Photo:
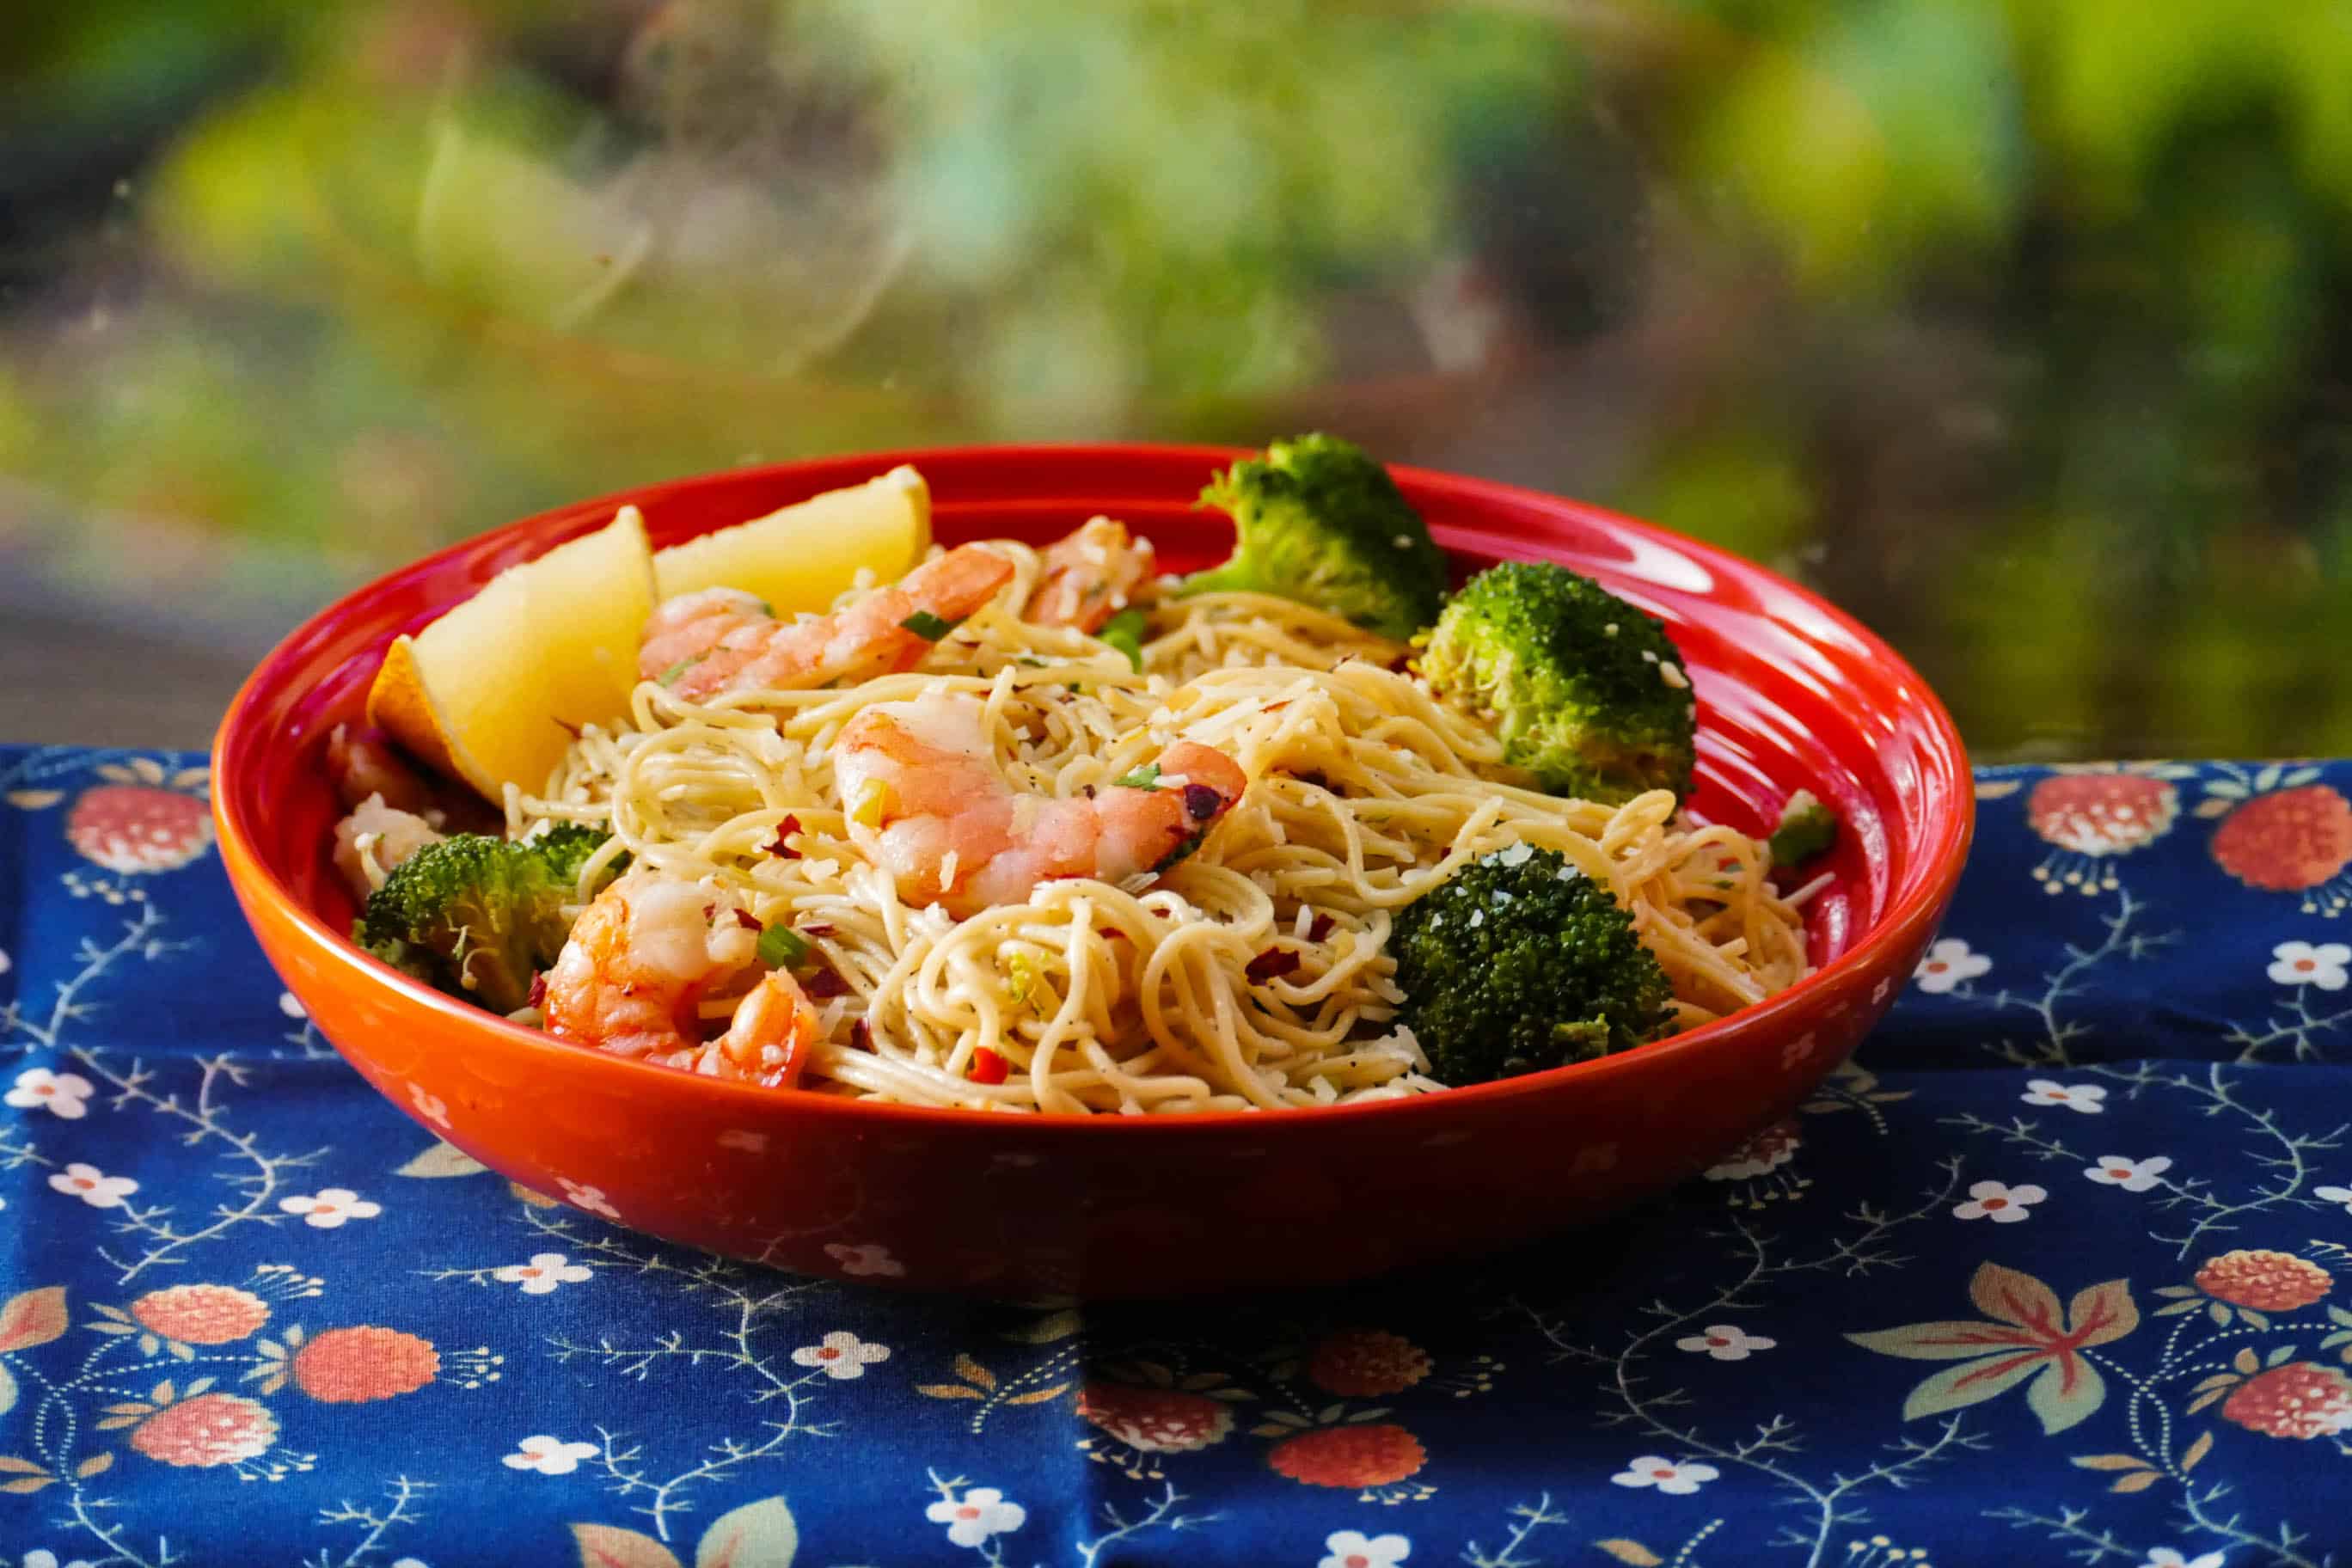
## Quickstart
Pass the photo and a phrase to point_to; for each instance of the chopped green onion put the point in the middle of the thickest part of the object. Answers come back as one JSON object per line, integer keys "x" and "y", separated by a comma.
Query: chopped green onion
{"x": 781, "y": 947}
{"x": 669, "y": 676}
{"x": 1124, "y": 631}
{"x": 1145, "y": 777}
{"x": 1807, "y": 828}
{"x": 927, "y": 626}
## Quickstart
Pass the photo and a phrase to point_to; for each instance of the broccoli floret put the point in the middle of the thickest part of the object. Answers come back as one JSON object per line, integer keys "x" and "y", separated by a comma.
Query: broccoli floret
{"x": 1807, "y": 828}
{"x": 476, "y": 916}
{"x": 1519, "y": 963}
{"x": 566, "y": 848}
{"x": 1316, "y": 520}
{"x": 1588, "y": 692}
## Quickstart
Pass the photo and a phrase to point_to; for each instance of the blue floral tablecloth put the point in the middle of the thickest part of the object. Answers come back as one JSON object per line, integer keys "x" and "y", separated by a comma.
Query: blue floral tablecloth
{"x": 2058, "y": 1270}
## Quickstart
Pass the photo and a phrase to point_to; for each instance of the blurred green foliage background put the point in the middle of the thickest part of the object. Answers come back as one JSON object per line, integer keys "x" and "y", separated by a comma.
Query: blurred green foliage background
{"x": 2019, "y": 327}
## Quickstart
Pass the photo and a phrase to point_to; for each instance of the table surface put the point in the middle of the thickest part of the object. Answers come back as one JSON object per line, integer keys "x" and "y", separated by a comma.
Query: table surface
{"x": 2056, "y": 1270}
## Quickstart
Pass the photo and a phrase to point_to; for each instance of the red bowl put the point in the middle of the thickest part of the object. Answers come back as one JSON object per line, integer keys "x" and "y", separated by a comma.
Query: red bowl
{"x": 1791, "y": 694}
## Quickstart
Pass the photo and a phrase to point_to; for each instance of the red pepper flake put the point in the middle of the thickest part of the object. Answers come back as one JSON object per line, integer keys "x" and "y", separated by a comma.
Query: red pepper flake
{"x": 744, "y": 918}
{"x": 1110, "y": 933}
{"x": 861, "y": 1036}
{"x": 824, "y": 983}
{"x": 814, "y": 931}
{"x": 1271, "y": 964}
{"x": 538, "y": 990}
{"x": 785, "y": 829}
{"x": 1401, "y": 663}
{"x": 1728, "y": 863}
{"x": 987, "y": 1066}
{"x": 1321, "y": 928}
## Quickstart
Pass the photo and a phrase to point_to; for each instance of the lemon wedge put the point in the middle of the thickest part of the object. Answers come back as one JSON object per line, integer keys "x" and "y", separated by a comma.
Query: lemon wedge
{"x": 804, "y": 556}
{"x": 484, "y": 693}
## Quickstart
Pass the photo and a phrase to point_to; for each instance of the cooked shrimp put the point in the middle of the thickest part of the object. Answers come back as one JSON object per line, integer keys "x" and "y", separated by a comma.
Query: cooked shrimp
{"x": 642, "y": 957}
{"x": 374, "y": 839}
{"x": 362, "y": 764}
{"x": 720, "y": 640}
{"x": 1089, "y": 575}
{"x": 925, "y": 799}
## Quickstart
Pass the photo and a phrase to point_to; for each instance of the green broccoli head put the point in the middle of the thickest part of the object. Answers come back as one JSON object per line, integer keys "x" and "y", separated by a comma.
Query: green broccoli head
{"x": 1316, "y": 520}
{"x": 1807, "y": 828}
{"x": 1588, "y": 692}
{"x": 479, "y": 917}
{"x": 566, "y": 848}
{"x": 1519, "y": 963}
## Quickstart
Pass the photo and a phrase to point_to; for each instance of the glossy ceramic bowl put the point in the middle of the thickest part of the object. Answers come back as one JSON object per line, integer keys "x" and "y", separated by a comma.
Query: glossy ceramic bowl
{"x": 1791, "y": 694}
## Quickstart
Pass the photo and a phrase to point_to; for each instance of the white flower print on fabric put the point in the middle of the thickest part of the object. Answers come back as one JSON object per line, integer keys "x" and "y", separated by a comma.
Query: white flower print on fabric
{"x": 548, "y": 1455}
{"x": 841, "y": 1354}
{"x": 7, "y": 964}
{"x": 2131, "y": 1176}
{"x": 41, "y": 1556}
{"x": 1947, "y": 963}
{"x": 2334, "y": 1195}
{"x": 977, "y": 1515}
{"x": 2000, "y": 1202}
{"x": 330, "y": 1207}
{"x": 1761, "y": 1155}
{"x": 92, "y": 1185}
{"x": 1354, "y": 1548}
{"x": 2086, "y": 1098}
{"x": 2301, "y": 964}
{"x": 589, "y": 1198}
{"x": 1677, "y": 1480}
{"x": 542, "y": 1274}
{"x": 290, "y": 1005}
{"x": 1723, "y": 1341}
{"x": 431, "y": 1106}
{"x": 868, "y": 1258}
{"x": 2166, "y": 1557}
{"x": 59, "y": 1093}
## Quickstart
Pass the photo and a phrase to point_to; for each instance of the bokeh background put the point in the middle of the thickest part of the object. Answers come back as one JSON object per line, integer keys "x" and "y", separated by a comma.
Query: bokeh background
{"x": 2019, "y": 327}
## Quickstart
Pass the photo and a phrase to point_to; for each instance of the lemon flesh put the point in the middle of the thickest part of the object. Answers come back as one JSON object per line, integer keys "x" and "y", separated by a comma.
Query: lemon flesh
{"x": 484, "y": 693}
{"x": 804, "y": 556}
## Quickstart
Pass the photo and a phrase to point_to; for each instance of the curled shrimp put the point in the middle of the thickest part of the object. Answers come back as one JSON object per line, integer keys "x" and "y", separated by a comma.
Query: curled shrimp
{"x": 641, "y": 958}
{"x": 925, "y": 799}
{"x": 1089, "y": 576}
{"x": 374, "y": 839}
{"x": 720, "y": 640}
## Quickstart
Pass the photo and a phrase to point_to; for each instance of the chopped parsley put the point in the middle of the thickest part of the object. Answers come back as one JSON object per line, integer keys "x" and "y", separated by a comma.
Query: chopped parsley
{"x": 1145, "y": 777}
{"x": 929, "y": 627}
{"x": 669, "y": 676}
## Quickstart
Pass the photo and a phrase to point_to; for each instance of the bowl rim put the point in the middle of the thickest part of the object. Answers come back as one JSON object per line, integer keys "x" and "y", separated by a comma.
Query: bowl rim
{"x": 1943, "y": 850}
